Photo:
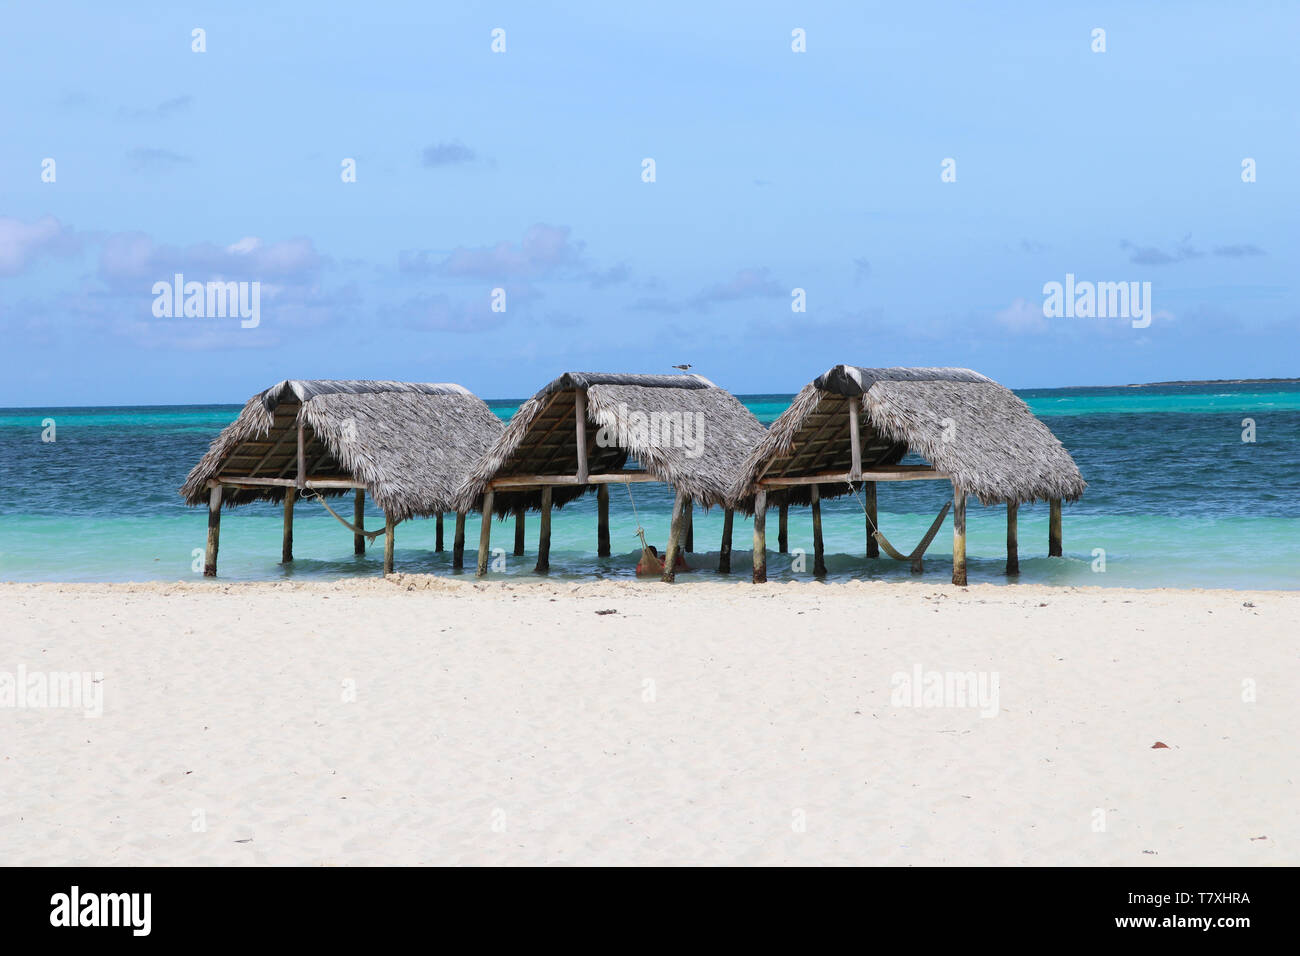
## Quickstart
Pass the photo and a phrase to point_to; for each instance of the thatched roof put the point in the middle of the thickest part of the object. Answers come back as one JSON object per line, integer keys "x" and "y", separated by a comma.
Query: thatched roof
{"x": 996, "y": 449}
{"x": 411, "y": 444}
{"x": 682, "y": 429}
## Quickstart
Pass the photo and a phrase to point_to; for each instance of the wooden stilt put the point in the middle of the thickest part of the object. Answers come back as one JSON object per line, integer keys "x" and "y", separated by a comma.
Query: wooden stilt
{"x": 1054, "y": 530}
{"x": 485, "y": 535}
{"x": 544, "y": 534}
{"x": 302, "y": 455}
{"x": 760, "y": 538}
{"x": 724, "y": 550}
{"x": 580, "y": 428}
{"x": 519, "y": 531}
{"x": 389, "y": 527}
{"x": 359, "y": 521}
{"x": 680, "y": 504}
{"x": 819, "y": 550}
{"x": 286, "y": 541}
{"x": 869, "y": 502}
{"x": 214, "y": 532}
{"x": 958, "y": 537}
{"x": 437, "y": 540}
{"x": 458, "y": 543}
{"x": 689, "y": 523}
{"x": 1013, "y": 548}
{"x": 602, "y": 521}
{"x": 783, "y": 530}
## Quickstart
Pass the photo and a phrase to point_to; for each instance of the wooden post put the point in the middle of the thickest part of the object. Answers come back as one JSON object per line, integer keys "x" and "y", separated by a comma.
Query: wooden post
{"x": 855, "y": 439}
{"x": 782, "y": 529}
{"x": 958, "y": 537}
{"x": 869, "y": 501}
{"x": 458, "y": 543}
{"x": 544, "y": 535}
{"x": 602, "y": 521}
{"x": 760, "y": 537}
{"x": 437, "y": 541}
{"x": 689, "y": 534}
{"x": 286, "y": 541}
{"x": 724, "y": 550}
{"x": 1013, "y": 550}
{"x": 359, "y": 521}
{"x": 1054, "y": 530}
{"x": 519, "y": 531}
{"x": 819, "y": 550}
{"x": 302, "y": 455}
{"x": 389, "y": 525}
{"x": 214, "y": 532}
{"x": 680, "y": 504}
{"x": 580, "y": 427}
{"x": 485, "y": 534}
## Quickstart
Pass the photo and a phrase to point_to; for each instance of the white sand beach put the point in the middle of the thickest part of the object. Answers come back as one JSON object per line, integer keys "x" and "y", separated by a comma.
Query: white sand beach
{"x": 699, "y": 723}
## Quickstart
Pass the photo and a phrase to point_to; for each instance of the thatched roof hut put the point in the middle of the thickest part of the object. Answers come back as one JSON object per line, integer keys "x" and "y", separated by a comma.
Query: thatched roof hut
{"x": 965, "y": 424}
{"x": 409, "y": 445}
{"x": 852, "y": 427}
{"x": 682, "y": 429}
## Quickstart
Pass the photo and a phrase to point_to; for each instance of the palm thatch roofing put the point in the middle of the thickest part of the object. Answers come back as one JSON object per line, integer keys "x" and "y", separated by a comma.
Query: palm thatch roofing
{"x": 410, "y": 444}
{"x": 961, "y": 422}
{"x": 682, "y": 429}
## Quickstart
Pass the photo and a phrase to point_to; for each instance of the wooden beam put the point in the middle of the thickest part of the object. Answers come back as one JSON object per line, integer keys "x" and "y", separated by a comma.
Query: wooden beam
{"x": 892, "y": 473}
{"x": 437, "y": 541}
{"x": 580, "y": 428}
{"x": 485, "y": 534}
{"x": 286, "y": 541}
{"x": 602, "y": 478}
{"x": 958, "y": 536}
{"x": 602, "y": 519}
{"x": 873, "y": 519}
{"x": 284, "y": 435}
{"x": 389, "y": 526}
{"x": 1054, "y": 529}
{"x": 359, "y": 521}
{"x": 458, "y": 543}
{"x": 724, "y": 550}
{"x": 783, "y": 529}
{"x": 819, "y": 550}
{"x": 544, "y": 535}
{"x": 855, "y": 439}
{"x": 680, "y": 504}
{"x": 214, "y": 532}
{"x": 519, "y": 532}
{"x": 248, "y": 481}
{"x": 1013, "y": 547}
{"x": 760, "y": 537}
{"x": 302, "y": 454}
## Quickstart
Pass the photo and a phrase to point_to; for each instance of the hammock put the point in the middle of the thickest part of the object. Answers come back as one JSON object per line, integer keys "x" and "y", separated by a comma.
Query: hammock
{"x": 370, "y": 536}
{"x": 649, "y": 559}
{"x": 919, "y": 551}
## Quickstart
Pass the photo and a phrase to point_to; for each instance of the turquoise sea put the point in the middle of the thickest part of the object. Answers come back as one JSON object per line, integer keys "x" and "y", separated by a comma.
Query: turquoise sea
{"x": 1176, "y": 498}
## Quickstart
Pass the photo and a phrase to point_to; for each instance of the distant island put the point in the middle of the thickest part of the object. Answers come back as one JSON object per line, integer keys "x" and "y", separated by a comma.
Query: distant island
{"x": 1221, "y": 381}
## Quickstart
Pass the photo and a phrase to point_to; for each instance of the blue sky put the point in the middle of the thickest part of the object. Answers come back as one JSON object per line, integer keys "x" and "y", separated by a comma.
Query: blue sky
{"x": 522, "y": 170}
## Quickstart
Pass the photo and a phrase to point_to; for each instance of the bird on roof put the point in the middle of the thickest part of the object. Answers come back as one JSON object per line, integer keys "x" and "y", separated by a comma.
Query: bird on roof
{"x": 684, "y": 368}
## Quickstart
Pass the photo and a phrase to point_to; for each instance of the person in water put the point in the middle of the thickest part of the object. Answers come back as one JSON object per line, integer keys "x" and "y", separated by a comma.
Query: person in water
{"x": 651, "y": 563}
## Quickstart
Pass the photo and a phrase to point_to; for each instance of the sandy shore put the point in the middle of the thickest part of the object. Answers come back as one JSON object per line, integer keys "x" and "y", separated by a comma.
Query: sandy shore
{"x": 698, "y": 723}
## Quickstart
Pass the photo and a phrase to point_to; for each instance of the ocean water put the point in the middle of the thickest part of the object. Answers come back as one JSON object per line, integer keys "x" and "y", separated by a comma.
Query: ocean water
{"x": 1176, "y": 498}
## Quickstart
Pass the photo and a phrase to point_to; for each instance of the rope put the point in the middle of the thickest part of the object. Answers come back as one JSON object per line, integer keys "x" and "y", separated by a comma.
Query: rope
{"x": 919, "y": 551}
{"x": 646, "y": 554}
{"x": 370, "y": 536}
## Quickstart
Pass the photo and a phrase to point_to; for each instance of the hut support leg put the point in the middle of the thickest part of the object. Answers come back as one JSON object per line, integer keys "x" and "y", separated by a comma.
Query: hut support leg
{"x": 389, "y": 526}
{"x": 214, "y": 532}
{"x": 869, "y": 501}
{"x": 437, "y": 542}
{"x": 680, "y": 506}
{"x": 760, "y": 538}
{"x": 544, "y": 534}
{"x": 782, "y": 531}
{"x": 458, "y": 543}
{"x": 602, "y": 521}
{"x": 689, "y": 517}
{"x": 1013, "y": 548}
{"x": 359, "y": 521}
{"x": 286, "y": 540}
{"x": 724, "y": 550}
{"x": 819, "y": 549}
{"x": 519, "y": 532}
{"x": 1054, "y": 530}
{"x": 485, "y": 535}
{"x": 959, "y": 537}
